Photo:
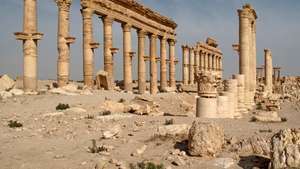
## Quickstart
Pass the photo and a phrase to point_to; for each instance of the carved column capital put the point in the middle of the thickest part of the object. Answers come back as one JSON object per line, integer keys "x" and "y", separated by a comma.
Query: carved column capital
{"x": 126, "y": 27}
{"x": 64, "y": 4}
{"x": 141, "y": 33}
{"x": 87, "y": 13}
{"x": 107, "y": 19}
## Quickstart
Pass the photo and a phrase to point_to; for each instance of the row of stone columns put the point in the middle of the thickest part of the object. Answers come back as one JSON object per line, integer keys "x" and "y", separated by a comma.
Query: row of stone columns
{"x": 199, "y": 60}
{"x": 30, "y": 36}
{"x": 247, "y": 50}
{"x": 128, "y": 55}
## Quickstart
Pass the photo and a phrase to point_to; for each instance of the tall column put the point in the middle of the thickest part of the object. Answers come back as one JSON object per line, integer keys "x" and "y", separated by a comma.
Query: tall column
{"x": 185, "y": 60}
{"x": 108, "y": 45}
{"x": 63, "y": 42}
{"x": 191, "y": 66}
{"x": 202, "y": 55}
{"x": 141, "y": 62}
{"x": 210, "y": 63}
{"x": 163, "y": 63}
{"x": 268, "y": 71}
{"x": 197, "y": 61}
{"x": 253, "y": 58}
{"x": 206, "y": 55}
{"x": 88, "y": 46}
{"x": 153, "y": 68}
{"x": 30, "y": 37}
{"x": 172, "y": 70}
{"x": 244, "y": 51}
{"x": 127, "y": 57}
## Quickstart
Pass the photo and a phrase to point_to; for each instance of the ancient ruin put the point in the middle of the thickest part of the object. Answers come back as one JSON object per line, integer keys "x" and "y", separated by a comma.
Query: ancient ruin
{"x": 147, "y": 119}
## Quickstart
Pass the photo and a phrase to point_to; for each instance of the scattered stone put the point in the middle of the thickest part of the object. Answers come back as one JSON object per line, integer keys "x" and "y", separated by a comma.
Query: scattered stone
{"x": 286, "y": 149}
{"x": 252, "y": 145}
{"x": 113, "y": 107}
{"x": 17, "y": 92}
{"x": 173, "y": 130}
{"x": 6, "y": 83}
{"x": 62, "y": 92}
{"x": 266, "y": 116}
{"x": 5, "y": 95}
{"x": 205, "y": 139}
{"x": 73, "y": 88}
{"x": 75, "y": 110}
{"x": 102, "y": 80}
{"x": 112, "y": 132}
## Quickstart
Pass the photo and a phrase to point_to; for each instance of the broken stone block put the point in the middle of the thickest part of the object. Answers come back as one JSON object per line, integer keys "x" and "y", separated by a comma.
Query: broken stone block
{"x": 266, "y": 116}
{"x": 6, "y": 83}
{"x": 205, "y": 139}
{"x": 102, "y": 80}
{"x": 111, "y": 132}
{"x": 173, "y": 130}
{"x": 286, "y": 149}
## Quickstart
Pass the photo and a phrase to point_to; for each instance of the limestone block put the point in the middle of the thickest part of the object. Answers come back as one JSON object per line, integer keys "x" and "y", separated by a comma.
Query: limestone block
{"x": 206, "y": 107}
{"x": 6, "y": 83}
{"x": 102, "y": 80}
{"x": 205, "y": 139}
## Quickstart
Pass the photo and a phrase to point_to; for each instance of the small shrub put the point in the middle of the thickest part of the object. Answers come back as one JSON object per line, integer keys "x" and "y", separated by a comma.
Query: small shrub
{"x": 95, "y": 148}
{"x": 169, "y": 121}
{"x": 146, "y": 165}
{"x": 90, "y": 117}
{"x": 122, "y": 100}
{"x": 14, "y": 124}
{"x": 105, "y": 113}
{"x": 61, "y": 106}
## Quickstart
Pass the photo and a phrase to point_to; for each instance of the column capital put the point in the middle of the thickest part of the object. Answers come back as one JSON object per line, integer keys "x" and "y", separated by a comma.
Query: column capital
{"x": 126, "y": 27}
{"x": 87, "y": 13}
{"x": 141, "y": 33}
{"x": 64, "y": 4}
{"x": 171, "y": 42}
{"x": 152, "y": 36}
{"x": 107, "y": 19}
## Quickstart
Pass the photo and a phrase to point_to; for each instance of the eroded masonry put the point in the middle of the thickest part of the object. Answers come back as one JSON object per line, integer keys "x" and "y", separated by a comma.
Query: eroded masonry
{"x": 131, "y": 15}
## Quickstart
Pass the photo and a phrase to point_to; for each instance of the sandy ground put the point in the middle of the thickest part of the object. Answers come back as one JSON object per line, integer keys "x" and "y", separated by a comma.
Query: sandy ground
{"x": 62, "y": 141}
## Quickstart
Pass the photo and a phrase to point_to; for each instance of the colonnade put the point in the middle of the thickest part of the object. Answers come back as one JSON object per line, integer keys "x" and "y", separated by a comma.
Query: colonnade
{"x": 202, "y": 57}
{"x": 145, "y": 21}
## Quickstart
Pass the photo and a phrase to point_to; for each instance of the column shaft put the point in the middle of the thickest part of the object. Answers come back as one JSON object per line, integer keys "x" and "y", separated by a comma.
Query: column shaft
{"x": 253, "y": 58}
{"x": 141, "y": 62}
{"x": 185, "y": 63}
{"x": 268, "y": 71}
{"x": 63, "y": 63}
{"x": 210, "y": 62}
{"x": 163, "y": 64}
{"x": 197, "y": 61}
{"x": 191, "y": 66}
{"x": 88, "y": 53}
{"x": 172, "y": 69}
{"x": 107, "y": 45}
{"x": 126, "y": 57}
{"x": 153, "y": 67}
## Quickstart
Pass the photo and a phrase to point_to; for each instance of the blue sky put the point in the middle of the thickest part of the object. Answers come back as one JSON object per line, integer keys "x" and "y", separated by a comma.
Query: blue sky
{"x": 278, "y": 28}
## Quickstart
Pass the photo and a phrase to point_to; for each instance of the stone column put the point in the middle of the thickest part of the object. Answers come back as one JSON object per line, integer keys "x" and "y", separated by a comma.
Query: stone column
{"x": 210, "y": 63}
{"x": 172, "y": 70}
{"x": 185, "y": 63}
{"x": 231, "y": 86}
{"x": 141, "y": 62}
{"x": 127, "y": 74}
{"x": 241, "y": 92}
{"x": 268, "y": 71}
{"x": 213, "y": 61}
{"x": 253, "y": 59}
{"x": 191, "y": 66}
{"x": 206, "y": 56}
{"x": 88, "y": 46}
{"x": 244, "y": 52}
{"x": 107, "y": 46}
{"x": 30, "y": 38}
{"x": 197, "y": 61}
{"x": 153, "y": 67}
{"x": 63, "y": 42}
{"x": 202, "y": 55}
{"x": 163, "y": 63}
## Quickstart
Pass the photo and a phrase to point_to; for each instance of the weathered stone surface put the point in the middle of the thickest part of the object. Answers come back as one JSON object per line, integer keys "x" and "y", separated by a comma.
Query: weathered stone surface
{"x": 16, "y": 92}
{"x": 102, "y": 80}
{"x": 5, "y": 95}
{"x": 61, "y": 91}
{"x": 266, "y": 116}
{"x": 205, "y": 139}
{"x": 173, "y": 130}
{"x": 113, "y": 107}
{"x": 6, "y": 83}
{"x": 286, "y": 149}
{"x": 252, "y": 145}
{"x": 71, "y": 88}
{"x": 112, "y": 132}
